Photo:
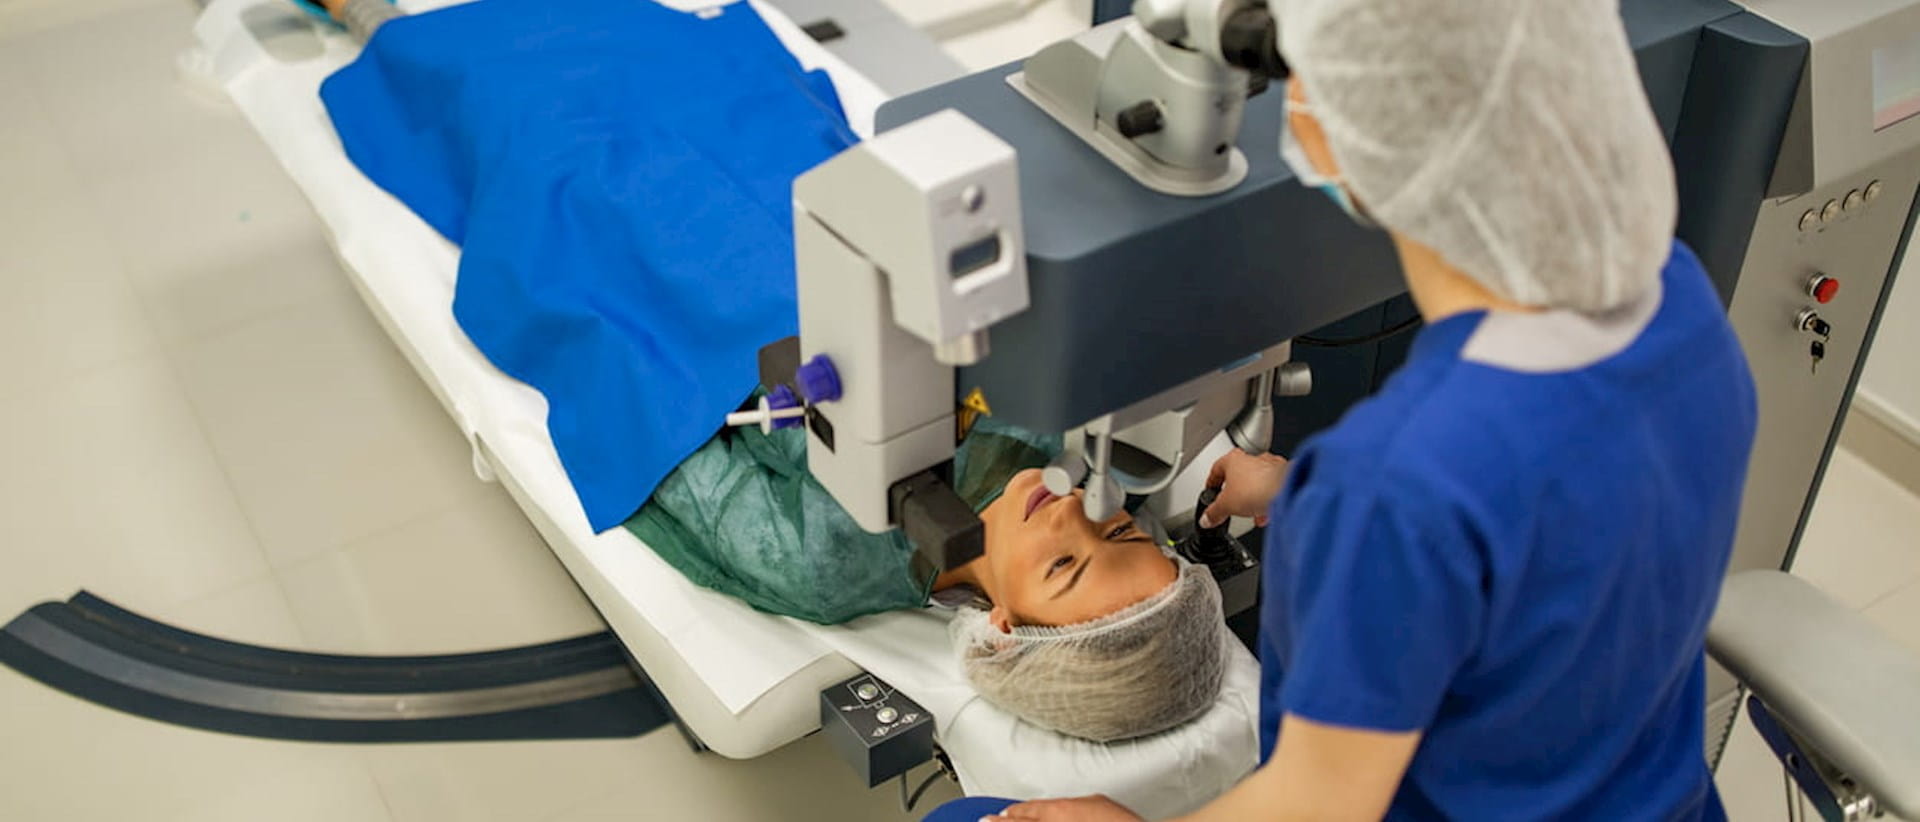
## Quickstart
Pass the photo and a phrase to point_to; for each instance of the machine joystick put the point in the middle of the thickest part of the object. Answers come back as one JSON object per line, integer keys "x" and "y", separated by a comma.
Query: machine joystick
{"x": 1234, "y": 567}
{"x": 1209, "y": 546}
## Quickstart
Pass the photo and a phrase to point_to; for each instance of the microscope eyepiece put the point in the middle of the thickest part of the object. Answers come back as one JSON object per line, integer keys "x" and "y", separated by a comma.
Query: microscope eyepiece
{"x": 1249, "y": 39}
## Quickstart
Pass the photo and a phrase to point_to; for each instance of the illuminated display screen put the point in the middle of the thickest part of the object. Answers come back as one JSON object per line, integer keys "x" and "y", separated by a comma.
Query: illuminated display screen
{"x": 1896, "y": 83}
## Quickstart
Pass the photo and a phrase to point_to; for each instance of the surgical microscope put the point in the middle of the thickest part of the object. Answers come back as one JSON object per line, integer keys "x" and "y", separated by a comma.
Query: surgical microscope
{"x": 912, "y": 249}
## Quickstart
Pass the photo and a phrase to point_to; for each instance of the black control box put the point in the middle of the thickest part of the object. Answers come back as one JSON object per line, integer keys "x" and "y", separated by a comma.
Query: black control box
{"x": 878, "y": 731}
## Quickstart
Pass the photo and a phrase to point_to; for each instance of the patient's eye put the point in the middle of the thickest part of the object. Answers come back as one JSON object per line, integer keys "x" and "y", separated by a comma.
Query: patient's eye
{"x": 1064, "y": 561}
{"x": 1119, "y": 531}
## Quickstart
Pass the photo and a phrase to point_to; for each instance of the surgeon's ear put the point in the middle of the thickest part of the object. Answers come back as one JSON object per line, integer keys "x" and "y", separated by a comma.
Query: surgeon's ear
{"x": 1001, "y": 618}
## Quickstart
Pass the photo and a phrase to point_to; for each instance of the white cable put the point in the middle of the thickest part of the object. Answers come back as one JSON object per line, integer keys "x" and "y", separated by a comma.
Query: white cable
{"x": 757, "y": 417}
{"x": 764, "y": 416}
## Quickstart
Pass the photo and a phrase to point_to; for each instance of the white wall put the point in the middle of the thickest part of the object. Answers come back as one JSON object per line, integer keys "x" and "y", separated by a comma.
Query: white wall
{"x": 1890, "y": 387}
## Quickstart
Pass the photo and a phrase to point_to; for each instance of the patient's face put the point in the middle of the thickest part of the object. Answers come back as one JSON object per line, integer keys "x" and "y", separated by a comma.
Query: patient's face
{"x": 1047, "y": 564}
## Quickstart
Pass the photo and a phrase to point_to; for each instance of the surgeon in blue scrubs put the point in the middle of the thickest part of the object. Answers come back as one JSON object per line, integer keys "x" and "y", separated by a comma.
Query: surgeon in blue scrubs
{"x": 1487, "y": 587}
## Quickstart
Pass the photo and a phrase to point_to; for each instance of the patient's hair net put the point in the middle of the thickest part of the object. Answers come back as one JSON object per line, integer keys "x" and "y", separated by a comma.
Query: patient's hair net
{"x": 1140, "y": 670}
{"x": 1511, "y": 136}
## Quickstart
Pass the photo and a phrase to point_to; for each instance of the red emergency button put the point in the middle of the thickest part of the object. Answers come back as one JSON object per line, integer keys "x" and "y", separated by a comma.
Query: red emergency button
{"x": 1822, "y": 287}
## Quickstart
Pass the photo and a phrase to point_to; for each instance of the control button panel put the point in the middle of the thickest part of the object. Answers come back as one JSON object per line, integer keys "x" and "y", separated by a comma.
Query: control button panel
{"x": 1844, "y": 205}
{"x": 877, "y": 730}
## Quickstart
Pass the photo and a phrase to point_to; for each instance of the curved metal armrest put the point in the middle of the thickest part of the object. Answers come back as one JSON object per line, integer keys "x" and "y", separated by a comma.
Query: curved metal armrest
{"x": 1838, "y": 683}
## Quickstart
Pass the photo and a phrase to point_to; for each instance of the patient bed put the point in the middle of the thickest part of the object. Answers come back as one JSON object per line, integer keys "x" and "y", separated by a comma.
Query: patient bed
{"x": 742, "y": 681}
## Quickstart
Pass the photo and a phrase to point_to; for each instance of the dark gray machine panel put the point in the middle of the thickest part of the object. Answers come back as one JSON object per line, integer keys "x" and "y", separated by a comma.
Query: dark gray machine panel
{"x": 1114, "y": 267}
{"x": 1664, "y": 34}
{"x": 1117, "y": 271}
{"x": 1746, "y": 71}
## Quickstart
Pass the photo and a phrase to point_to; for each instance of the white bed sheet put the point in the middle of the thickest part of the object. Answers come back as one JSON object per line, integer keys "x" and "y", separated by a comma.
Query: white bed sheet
{"x": 738, "y": 653}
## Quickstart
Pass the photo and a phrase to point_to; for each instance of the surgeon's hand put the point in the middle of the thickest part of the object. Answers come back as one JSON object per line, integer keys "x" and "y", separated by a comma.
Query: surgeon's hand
{"x": 1248, "y": 485}
{"x": 1083, "y": 809}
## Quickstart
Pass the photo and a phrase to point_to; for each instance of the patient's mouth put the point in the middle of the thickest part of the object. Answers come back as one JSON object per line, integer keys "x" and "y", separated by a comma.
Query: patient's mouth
{"x": 1041, "y": 496}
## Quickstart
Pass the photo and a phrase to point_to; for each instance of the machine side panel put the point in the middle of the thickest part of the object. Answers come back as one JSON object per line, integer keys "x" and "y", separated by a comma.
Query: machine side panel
{"x": 1801, "y": 407}
{"x": 1663, "y": 34}
{"x": 1859, "y": 366}
{"x": 1738, "y": 100}
{"x": 1801, "y": 401}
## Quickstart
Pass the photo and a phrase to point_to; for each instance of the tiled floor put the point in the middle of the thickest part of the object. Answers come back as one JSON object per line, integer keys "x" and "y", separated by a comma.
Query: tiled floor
{"x": 200, "y": 421}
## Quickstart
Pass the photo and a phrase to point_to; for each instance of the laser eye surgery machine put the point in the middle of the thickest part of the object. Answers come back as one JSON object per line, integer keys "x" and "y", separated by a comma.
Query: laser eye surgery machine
{"x": 936, "y": 258}
{"x": 1102, "y": 241}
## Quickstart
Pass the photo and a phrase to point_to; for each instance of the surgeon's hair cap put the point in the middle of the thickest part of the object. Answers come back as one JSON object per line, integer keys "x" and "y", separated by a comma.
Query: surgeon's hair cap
{"x": 1141, "y": 670}
{"x": 1511, "y": 136}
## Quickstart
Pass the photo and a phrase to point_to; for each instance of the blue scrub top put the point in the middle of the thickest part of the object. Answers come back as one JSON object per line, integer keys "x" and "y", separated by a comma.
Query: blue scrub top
{"x": 1515, "y": 547}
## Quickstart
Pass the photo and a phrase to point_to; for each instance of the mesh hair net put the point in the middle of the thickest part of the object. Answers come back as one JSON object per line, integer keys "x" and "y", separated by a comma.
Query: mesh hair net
{"x": 1511, "y": 136}
{"x": 1140, "y": 670}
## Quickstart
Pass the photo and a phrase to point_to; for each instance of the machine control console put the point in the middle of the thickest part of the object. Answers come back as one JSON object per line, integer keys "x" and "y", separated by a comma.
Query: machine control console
{"x": 876, "y": 729}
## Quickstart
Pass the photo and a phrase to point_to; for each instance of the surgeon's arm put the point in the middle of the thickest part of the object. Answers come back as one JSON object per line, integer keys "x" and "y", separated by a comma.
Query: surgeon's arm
{"x": 1319, "y": 772}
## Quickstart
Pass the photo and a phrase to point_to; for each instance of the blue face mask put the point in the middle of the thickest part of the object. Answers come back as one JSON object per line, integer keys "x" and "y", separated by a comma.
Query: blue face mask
{"x": 1296, "y": 159}
{"x": 1338, "y": 194}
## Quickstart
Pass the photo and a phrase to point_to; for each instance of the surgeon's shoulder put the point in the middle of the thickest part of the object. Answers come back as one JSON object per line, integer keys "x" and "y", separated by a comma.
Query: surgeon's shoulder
{"x": 1379, "y": 434}
{"x": 1449, "y": 436}
{"x": 1404, "y": 468}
